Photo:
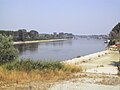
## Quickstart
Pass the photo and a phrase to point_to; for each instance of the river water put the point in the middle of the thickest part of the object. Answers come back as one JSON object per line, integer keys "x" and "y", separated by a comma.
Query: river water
{"x": 60, "y": 50}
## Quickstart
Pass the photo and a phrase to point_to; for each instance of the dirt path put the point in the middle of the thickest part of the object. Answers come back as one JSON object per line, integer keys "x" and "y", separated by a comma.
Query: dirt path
{"x": 68, "y": 85}
{"x": 89, "y": 81}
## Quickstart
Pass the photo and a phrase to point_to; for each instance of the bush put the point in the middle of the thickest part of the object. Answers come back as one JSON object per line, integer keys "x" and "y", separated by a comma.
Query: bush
{"x": 7, "y": 51}
{"x": 28, "y": 65}
{"x": 112, "y": 42}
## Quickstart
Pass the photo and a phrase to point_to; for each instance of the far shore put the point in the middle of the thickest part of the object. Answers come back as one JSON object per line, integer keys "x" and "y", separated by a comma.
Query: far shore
{"x": 36, "y": 41}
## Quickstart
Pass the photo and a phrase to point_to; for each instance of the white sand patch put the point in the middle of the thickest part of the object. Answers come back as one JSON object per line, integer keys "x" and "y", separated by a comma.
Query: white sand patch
{"x": 82, "y": 86}
{"x": 104, "y": 70}
{"x": 36, "y": 41}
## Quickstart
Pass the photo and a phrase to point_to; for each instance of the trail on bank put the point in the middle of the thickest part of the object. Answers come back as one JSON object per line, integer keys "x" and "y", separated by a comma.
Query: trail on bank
{"x": 86, "y": 84}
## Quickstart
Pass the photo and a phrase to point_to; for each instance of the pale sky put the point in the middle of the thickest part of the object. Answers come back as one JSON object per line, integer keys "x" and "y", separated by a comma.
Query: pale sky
{"x": 48, "y": 16}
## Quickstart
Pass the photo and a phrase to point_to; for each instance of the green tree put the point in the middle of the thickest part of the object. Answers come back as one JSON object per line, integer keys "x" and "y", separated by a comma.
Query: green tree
{"x": 7, "y": 51}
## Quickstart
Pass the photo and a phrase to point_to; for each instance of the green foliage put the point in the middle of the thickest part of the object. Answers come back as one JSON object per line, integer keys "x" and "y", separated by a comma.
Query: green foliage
{"x": 28, "y": 65}
{"x": 7, "y": 51}
{"x": 21, "y": 35}
{"x": 118, "y": 66}
{"x": 112, "y": 42}
{"x": 115, "y": 33}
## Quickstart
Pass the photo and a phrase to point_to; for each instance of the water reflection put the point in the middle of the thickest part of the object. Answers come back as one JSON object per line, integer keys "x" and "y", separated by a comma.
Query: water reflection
{"x": 60, "y": 50}
{"x": 32, "y": 47}
{"x": 58, "y": 43}
{"x": 24, "y": 47}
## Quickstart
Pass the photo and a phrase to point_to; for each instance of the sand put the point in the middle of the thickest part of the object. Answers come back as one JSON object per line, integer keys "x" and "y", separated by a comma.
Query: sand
{"x": 82, "y": 86}
{"x": 87, "y": 57}
{"x": 89, "y": 82}
{"x": 104, "y": 70}
{"x": 36, "y": 41}
{"x": 100, "y": 73}
{"x": 100, "y": 62}
{"x": 99, "y": 70}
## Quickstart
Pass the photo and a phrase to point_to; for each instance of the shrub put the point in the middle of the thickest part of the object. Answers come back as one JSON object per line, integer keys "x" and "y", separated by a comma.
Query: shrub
{"x": 28, "y": 65}
{"x": 7, "y": 51}
{"x": 112, "y": 42}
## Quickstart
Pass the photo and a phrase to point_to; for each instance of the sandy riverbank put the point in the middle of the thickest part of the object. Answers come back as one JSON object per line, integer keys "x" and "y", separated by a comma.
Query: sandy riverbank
{"x": 100, "y": 62}
{"x": 36, "y": 41}
{"x": 87, "y": 58}
{"x": 99, "y": 71}
{"x": 99, "y": 74}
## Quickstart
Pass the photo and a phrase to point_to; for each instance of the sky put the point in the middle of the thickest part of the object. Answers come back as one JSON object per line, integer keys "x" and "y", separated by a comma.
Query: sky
{"x": 79, "y": 17}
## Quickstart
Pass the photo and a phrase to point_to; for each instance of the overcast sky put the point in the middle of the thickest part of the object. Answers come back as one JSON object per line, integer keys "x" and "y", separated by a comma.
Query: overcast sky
{"x": 47, "y": 16}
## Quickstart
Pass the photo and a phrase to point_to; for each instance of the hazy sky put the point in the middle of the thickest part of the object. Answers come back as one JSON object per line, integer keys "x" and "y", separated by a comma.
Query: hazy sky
{"x": 47, "y": 16}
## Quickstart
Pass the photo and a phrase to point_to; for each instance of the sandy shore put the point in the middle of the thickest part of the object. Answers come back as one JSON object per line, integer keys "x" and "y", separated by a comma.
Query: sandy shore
{"x": 100, "y": 62}
{"x": 89, "y": 57}
{"x": 36, "y": 41}
{"x": 99, "y": 71}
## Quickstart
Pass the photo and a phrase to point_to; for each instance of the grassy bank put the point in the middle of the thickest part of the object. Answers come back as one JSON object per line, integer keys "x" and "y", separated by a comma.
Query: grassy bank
{"x": 28, "y": 70}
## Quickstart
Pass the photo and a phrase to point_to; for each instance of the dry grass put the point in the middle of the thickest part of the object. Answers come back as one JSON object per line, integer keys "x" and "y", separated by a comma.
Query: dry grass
{"x": 14, "y": 76}
{"x": 22, "y": 75}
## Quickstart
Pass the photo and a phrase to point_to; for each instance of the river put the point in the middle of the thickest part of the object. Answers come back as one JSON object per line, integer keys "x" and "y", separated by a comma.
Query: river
{"x": 60, "y": 50}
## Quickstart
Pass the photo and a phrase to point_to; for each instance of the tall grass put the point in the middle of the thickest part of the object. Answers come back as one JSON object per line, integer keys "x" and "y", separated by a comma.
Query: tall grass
{"x": 28, "y": 70}
{"x": 28, "y": 65}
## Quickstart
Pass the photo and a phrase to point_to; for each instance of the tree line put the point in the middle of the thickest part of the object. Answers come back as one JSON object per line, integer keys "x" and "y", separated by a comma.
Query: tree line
{"x": 23, "y": 35}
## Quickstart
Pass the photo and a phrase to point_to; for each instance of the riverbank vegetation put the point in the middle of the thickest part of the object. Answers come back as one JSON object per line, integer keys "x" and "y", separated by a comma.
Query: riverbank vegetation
{"x": 7, "y": 51}
{"x": 15, "y": 70}
{"x": 114, "y": 37}
{"x": 28, "y": 70}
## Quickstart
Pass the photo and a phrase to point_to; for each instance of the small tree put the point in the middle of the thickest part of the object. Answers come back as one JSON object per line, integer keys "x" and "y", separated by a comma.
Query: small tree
{"x": 7, "y": 51}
